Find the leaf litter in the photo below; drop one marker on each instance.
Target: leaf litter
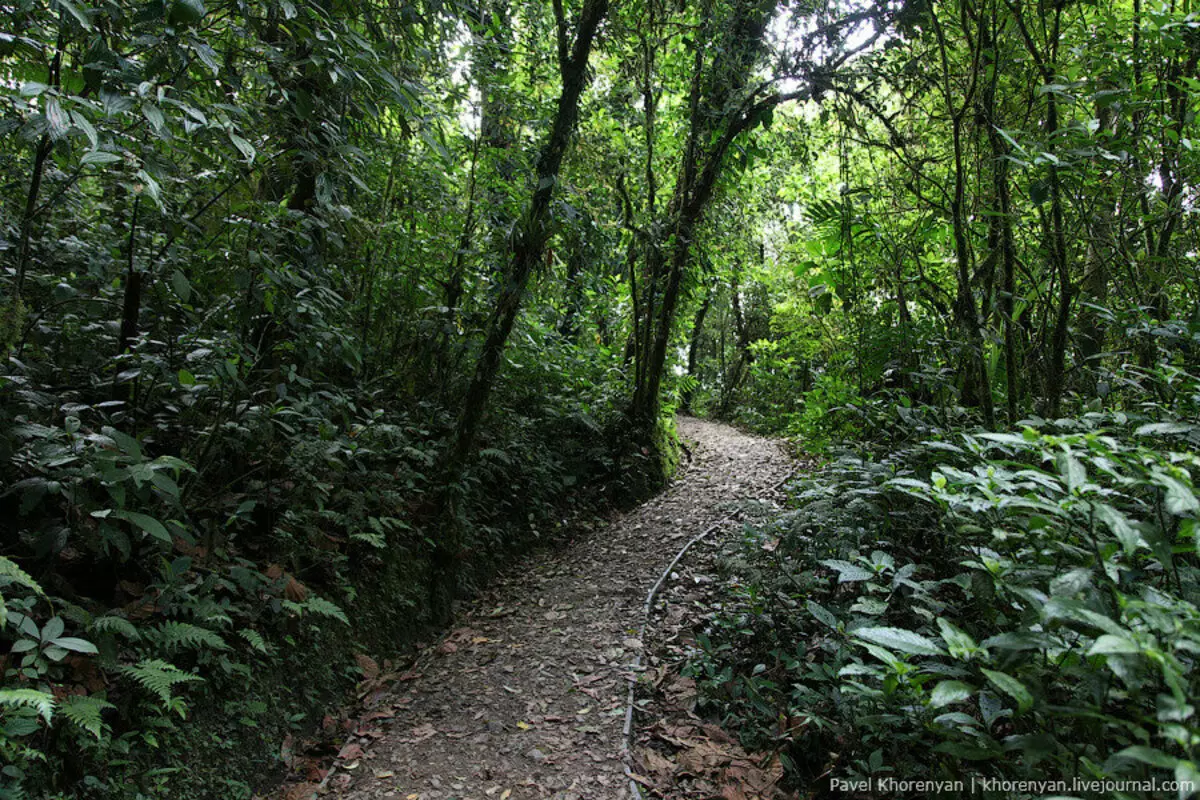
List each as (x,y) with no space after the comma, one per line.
(526,697)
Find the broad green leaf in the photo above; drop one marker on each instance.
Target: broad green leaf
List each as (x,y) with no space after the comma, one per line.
(1108,643)
(181,285)
(154,116)
(948,692)
(847,572)
(1120,525)
(957,640)
(99,157)
(53,628)
(1148,755)
(899,639)
(1161,428)
(57,120)
(244,147)
(75,11)
(1179,497)
(147,523)
(76,645)
(822,614)
(1011,687)
(1072,471)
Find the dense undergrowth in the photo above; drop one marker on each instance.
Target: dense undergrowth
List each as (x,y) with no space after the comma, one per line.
(942,603)
(312,314)
(198,569)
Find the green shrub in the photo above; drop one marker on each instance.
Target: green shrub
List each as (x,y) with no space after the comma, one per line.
(1005,606)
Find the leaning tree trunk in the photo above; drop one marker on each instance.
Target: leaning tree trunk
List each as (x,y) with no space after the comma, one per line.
(527,246)
(529,240)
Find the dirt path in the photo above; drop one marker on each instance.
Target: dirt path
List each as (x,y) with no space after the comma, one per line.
(526,699)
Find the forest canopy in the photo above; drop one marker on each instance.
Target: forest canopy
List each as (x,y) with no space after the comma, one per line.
(315,313)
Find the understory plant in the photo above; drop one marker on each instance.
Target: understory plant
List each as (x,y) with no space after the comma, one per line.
(1019,606)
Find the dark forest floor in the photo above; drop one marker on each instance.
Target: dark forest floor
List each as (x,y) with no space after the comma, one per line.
(526,696)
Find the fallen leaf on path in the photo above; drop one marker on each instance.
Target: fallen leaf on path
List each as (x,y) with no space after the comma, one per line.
(421,733)
(350,751)
(302,791)
(287,751)
(367,664)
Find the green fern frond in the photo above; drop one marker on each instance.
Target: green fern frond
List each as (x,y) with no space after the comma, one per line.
(369,538)
(494,454)
(177,635)
(41,702)
(114,624)
(15,574)
(324,608)
(255,640)
(159,677)
(86,713)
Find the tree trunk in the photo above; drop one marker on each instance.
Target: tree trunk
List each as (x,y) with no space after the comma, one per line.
(528,243)
(744,357)
(965,311)
(527,246)
(1004,221)
(694,346)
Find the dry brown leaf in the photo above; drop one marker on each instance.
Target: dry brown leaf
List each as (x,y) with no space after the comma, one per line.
(302,791)
(367,664)
(350,752)
(287,751)
(422,732)
(294,590)
(658,764)
(731,791)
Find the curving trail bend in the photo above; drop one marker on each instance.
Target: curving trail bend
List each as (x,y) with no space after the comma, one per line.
(526,698)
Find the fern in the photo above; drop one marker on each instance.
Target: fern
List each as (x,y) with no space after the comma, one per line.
(495,454)
(15,574)
(159,677)
(86,713)
(368,537)
(41,702)
(255,640)
(176,635)
(114,624)
(324,608)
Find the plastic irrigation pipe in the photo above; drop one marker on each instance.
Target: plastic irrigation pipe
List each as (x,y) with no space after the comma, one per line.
(635,789)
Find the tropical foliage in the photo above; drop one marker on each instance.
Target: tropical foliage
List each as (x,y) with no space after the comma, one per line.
(314,312)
